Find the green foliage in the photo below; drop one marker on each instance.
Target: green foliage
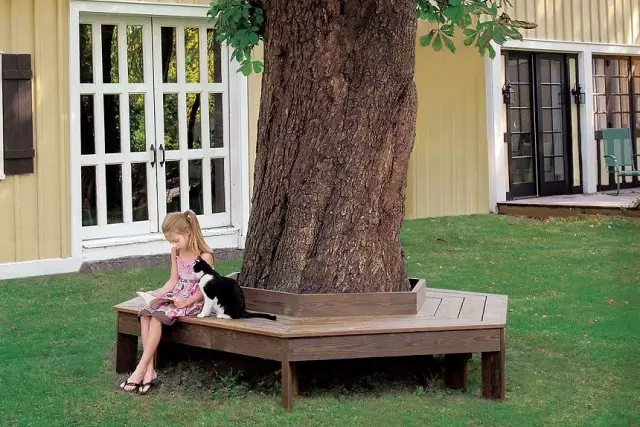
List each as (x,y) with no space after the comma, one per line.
(240,24)
(481,22)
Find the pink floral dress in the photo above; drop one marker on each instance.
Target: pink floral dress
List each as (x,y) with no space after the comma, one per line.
(187,285)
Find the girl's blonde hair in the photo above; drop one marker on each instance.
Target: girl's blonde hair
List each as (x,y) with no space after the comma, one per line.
(183,223)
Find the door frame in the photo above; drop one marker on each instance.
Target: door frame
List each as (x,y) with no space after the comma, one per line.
(238,114)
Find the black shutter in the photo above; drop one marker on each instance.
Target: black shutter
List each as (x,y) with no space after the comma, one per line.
(17,114)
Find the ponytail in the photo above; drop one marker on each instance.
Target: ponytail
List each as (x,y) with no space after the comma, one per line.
(196,239)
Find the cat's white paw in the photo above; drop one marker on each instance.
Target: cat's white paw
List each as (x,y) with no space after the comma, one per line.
(201,315)
(223,316)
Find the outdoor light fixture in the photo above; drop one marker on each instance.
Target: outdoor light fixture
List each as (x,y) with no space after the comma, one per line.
(578,94)
(507,93)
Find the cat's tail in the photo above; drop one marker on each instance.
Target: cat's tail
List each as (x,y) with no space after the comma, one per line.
(248,314)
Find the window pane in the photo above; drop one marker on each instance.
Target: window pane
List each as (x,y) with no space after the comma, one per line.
(172,173)
(216,123)
(214,58)
(139,200)
(217,185)
(89,205)
(195,187)
(168,56)
(111,123)
(87,125)
(194,128)
(170,111)
(113,175)
(86,54)
(192,55)
(135,57)
(109,54)
(138,140)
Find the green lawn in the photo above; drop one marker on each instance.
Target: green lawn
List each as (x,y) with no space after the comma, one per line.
(573,339)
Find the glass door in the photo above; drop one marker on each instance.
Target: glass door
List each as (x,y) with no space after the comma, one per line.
(154,124)
(118,184)
(191,98)
(520,122)
(552,125)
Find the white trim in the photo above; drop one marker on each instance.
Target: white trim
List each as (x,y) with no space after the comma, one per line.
(151,244)
(588,147)
(573,47)
(119,7)
(42,267)
(2,176)
(495,138)
(244,156)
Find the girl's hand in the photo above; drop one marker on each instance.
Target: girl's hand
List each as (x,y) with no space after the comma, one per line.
(181,303)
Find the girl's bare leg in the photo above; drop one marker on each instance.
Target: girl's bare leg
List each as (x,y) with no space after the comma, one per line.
(150,344)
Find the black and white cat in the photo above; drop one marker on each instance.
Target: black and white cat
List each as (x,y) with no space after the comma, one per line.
(222,294)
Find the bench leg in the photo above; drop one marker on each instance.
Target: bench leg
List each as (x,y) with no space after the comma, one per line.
(126,352)
(493,380)
(289,383)
(455,371)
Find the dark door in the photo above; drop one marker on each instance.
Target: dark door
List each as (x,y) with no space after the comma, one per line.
(538,134)
(520,121)
(552,125)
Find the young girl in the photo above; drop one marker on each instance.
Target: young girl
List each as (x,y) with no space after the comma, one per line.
(182,230)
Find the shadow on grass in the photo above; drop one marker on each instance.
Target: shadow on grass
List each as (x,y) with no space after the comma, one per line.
(202,373)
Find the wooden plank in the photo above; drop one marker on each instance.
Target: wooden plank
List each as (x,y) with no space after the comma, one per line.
(421,294)
(273,302)
(495,309)
(449,308)
(198,335)
(389,345)
(364,304)
(473,308)
(430,306)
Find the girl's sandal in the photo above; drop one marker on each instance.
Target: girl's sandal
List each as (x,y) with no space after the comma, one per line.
(146,386)
(129,384)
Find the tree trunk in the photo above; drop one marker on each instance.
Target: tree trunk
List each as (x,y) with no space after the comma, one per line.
(335,131)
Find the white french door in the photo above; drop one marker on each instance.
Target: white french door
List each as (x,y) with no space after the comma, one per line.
(154,124)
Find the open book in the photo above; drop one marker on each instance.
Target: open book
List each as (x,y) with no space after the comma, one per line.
(153,302)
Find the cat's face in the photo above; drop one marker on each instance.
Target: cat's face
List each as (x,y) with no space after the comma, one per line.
(200,268)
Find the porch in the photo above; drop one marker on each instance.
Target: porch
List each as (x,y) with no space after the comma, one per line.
(600,203)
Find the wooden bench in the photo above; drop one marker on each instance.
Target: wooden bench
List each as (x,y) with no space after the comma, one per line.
(619,155)
(443,322)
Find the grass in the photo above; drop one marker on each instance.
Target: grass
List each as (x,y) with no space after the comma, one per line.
(573,340)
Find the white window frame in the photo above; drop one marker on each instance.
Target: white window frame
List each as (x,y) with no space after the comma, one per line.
(240,200)
(2,175)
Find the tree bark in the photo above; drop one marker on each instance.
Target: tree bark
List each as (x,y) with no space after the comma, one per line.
(335,131)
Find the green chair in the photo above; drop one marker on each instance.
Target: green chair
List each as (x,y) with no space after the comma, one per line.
(618,148)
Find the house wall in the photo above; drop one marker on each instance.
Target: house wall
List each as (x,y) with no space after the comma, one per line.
(448,169)
(34,208)
(597,21)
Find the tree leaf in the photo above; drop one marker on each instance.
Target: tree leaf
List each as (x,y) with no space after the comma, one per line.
(449,43)
(437,43)
(426,39)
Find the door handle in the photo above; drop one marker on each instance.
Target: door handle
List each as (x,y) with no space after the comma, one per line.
(161,148)
(155,155)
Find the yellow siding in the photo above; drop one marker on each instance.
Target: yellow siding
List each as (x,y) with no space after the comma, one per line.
(448,170)
(597,21)
(34,208)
